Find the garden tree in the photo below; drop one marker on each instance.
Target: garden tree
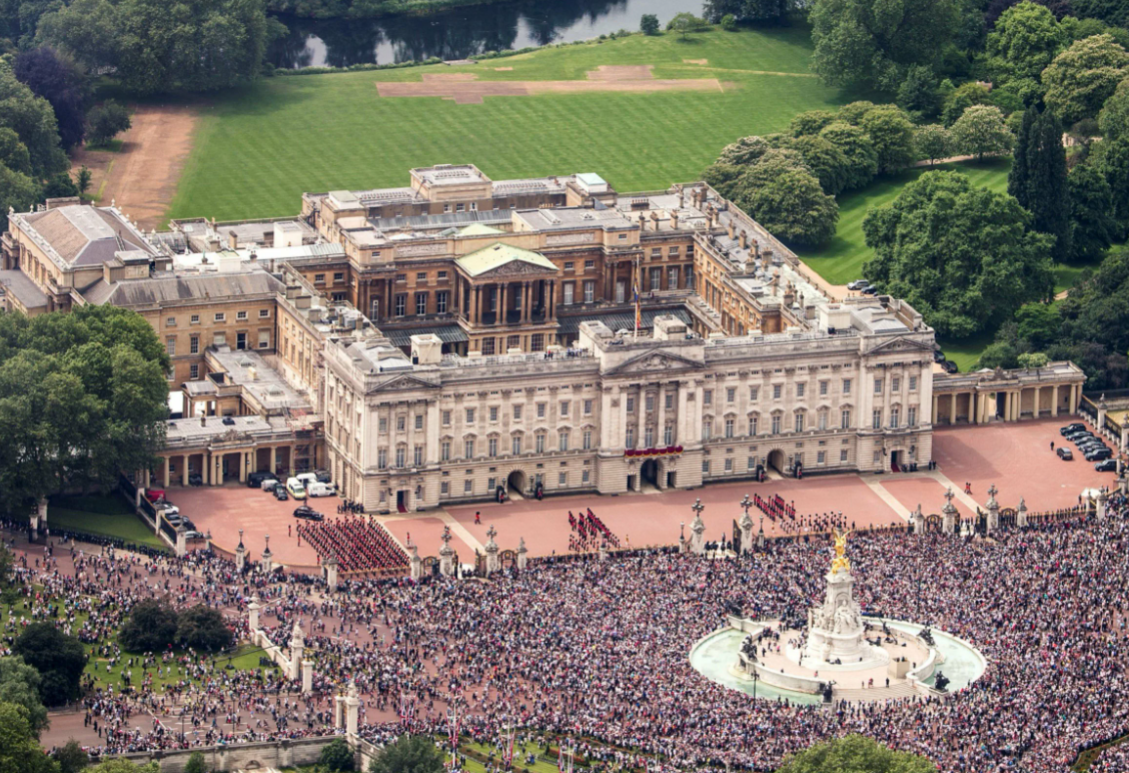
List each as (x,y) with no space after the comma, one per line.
(825,161)
(1025,40)
(962,98)
(1032,360)
(122,765)
(794,207)
(853,112)
(855,754)
(17,191)
(724,178)
(203,628)
(197,764)
(933,142)
(684,23)
(20,751)
(1076,29)
(995,9)
(58,185)
(164,45)
(408,754)
(1114,165)
(83,396)
(744,151)
(767,168)
(1091,219)
(918,92)
(1018,177)
(999,354)
(150,627)
(1113,120)
(1110,11)
(764,11)
(649,24)
(1048,195)
(1084,76)
(857,149)
(963,256)
(62,85)
(982,130)
(73,759)
(82,180)
(58,658)
(19,684)
(891,132)
(107,120)
(868,43)
(810,122)
(336,756)
(13,153)
(33,121)
(1037,324)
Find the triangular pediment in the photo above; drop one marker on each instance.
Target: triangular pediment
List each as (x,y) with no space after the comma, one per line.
(516,267)
(402,382)
(899,345)
(653,362)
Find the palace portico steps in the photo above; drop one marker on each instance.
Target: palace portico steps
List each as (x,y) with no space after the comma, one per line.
(896,692)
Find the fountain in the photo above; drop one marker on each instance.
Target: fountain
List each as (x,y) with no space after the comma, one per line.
(838,653)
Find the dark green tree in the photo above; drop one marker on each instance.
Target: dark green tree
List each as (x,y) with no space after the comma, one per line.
(1091,214)
(17,191)
(810,122)
(107,121)
(150,627)
(203,628)
(1084,76)
(1114,165)
(408,754)
(891,133)
(19,684)
(196,763)
(1019,177)
(794,207)
(857,149)
(337,756)
(755,11)
(855,754)
(825,161)
(965,257)
(1048,194)
(33,121)
(1037,325)
(58,658)
(20,751)
(649,24)
(1113,120)
(918,93)
(13,153)
(933,142)
(72,758)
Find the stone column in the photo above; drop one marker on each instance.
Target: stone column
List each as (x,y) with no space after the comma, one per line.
(949,514)
(297,646)
(526,302)
(660,419)
(307,676)
(1101,504)
(551,309)
(493,563)
(698,530)
(500,314)
(1102,411)
(338,711)
(993,509)
(240,554)
(330,566)
(522,555)
(746,525)
(1021,514)
(274,460)
(446,555)
(917,518)
(183,470)
(352,703)
(952,408)
(1007,405)
(934,405)
(253,613)
(641,429)
(181,541)
(415,562)
(266,563)
(1054,400)
(165,471)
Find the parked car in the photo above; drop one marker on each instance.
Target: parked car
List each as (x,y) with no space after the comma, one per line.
(938,356)
(155,494)
(1097,445)
(324,476)
(858,284)
(1064,431)
(295,488)
(1106,465)
(192,534)
(1098,454)
(307,478)
(255,479)
(169,510)
(870,290)
(949,366)
(308,514)
(195,479)
(1065,454)
(1079,434)
(270,484)
(280,493)
(317,489)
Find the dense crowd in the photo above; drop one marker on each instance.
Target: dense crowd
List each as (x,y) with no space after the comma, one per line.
(599,649)
(358,543)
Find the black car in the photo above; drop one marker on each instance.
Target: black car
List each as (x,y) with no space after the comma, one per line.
(1077,435)
(938,356)
(1065,454)
(949,366)
(280,493)
(1097,445)
(1098,454)
(195,479)
(324,476)
(255,479)
(1106,465)
(308,513)
(1069,428)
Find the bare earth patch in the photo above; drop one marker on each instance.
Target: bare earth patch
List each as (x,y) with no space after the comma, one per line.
(696,61)
(503,69)
(466,89)
(141,178)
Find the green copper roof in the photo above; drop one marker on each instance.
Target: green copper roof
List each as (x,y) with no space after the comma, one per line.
(489,258)
(479,229)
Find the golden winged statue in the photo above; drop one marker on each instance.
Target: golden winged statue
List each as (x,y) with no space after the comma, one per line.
(841,561)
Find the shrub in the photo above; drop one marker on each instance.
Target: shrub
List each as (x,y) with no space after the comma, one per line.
(649,24)
(729,22)
(106,122)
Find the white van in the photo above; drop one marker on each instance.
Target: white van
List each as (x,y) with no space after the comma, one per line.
(307,478)
(316,489)
(295,487)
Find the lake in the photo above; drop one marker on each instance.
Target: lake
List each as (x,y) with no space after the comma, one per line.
(461,33)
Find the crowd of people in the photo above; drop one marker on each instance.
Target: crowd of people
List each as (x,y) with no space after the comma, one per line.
(599,649)
(589,532)
(358,543)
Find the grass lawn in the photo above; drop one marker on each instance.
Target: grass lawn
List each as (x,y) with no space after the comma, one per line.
(107,515)
(257,149)
(965,353)
(841,261)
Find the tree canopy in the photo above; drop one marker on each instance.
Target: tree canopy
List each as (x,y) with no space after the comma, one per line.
(855,754)
(19,745)
(59,659)
(1083,77)
(962,256)
(19,684)
(408,754)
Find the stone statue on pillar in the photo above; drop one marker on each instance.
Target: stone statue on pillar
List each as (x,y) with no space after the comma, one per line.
(949,513)
(1021,514)
(352,703)
(917,518)
(266,563)
(522,555)
(240,554)
(414,561)
(993,509)
(746,526)
(297,646)
(446,554)
(493,563)
(1101,504)
(698,529)
(330,566)
(181,541)
(253,614)
(307,676)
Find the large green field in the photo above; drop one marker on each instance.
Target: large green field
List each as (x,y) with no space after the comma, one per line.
(841,260)
(257,149)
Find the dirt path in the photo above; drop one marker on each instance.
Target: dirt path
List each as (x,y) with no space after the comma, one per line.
(141,178)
